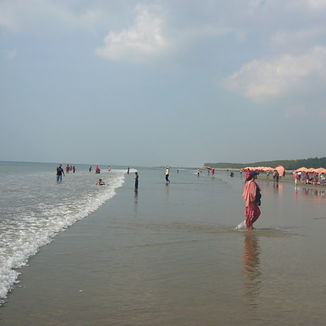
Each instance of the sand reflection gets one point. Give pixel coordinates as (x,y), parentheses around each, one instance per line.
(251,269)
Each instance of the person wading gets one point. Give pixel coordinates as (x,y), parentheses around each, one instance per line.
(136,181)
(251,195)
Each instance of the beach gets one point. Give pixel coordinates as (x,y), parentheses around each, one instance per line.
(169,255)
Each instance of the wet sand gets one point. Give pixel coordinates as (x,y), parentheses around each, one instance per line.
(170,256)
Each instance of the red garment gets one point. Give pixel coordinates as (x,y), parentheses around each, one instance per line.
(252,211)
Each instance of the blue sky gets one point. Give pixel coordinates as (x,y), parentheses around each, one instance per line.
(177,82)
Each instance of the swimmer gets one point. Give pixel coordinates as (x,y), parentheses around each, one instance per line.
(100,182)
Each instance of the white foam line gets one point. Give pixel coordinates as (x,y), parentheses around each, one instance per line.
(24,248)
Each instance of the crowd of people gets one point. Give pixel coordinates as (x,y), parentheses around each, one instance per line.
(313,176)
(251,190)
(310,176)
(71,168)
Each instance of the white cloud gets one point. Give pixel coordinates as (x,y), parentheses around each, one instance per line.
(263,79)
(143,41)
(151,37)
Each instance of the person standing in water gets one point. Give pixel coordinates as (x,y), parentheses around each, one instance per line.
(136,181)
(128,170)
(251,195)
(276,176)
(60,172)
(167,173)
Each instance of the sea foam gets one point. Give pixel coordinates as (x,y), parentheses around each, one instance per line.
(35,216)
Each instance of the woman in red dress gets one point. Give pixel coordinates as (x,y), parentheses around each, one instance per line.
(251,195)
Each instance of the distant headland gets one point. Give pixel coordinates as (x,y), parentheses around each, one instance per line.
(288,164)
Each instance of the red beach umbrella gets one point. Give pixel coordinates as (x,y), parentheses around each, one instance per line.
(311,170)
(207,168)
(281,170)
(302,169)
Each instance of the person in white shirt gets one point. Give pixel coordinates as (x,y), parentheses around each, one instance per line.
(167,173)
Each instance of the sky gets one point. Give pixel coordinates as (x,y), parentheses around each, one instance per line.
(150,83)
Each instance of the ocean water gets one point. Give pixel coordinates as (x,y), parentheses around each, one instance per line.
(166,255)
(34,208)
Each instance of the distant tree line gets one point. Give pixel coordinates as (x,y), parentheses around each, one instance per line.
(288,164)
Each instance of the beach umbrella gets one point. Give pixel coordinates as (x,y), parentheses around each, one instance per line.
(281,170)
(302,169)
(311,170)
(207,168)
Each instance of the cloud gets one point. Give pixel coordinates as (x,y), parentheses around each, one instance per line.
(143,41)
(259,80)
(151,37)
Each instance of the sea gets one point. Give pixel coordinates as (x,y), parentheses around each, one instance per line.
(34,208)
(80,254)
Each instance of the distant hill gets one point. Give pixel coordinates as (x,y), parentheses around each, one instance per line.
(288,164)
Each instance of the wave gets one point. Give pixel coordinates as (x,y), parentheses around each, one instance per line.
(27,230)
